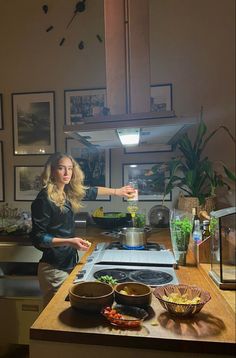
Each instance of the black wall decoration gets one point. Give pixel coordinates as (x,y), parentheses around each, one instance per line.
(79,8)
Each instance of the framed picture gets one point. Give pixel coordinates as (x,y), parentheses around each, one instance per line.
(33,123)
(84,103)
(144,176)
(161,98)
(94,162)
(2,193)
(1,112)
(27,182)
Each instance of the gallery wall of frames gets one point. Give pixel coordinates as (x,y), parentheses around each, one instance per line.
(47,83)
(34,138)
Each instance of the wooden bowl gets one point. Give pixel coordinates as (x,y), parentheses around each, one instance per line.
(91,296)
(133,294)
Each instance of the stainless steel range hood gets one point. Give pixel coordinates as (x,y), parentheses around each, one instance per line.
(128,84)
(158,130)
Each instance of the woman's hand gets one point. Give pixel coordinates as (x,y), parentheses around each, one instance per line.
(80,244)
(127,191)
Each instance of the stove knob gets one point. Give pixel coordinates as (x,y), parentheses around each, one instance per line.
(81,274)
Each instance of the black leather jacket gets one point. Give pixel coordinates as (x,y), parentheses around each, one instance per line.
(49,221)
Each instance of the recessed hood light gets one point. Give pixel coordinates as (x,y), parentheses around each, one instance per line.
(129,136)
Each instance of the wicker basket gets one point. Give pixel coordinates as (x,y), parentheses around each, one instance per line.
(186,203)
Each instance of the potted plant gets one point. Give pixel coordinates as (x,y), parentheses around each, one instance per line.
(192,171)
(180,229)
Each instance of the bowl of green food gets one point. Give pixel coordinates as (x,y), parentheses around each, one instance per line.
(111,220)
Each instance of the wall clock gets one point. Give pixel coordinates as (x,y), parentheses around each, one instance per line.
(79,7)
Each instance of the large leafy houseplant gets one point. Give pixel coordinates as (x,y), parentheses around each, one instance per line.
(193,172)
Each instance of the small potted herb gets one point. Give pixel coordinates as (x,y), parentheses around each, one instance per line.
(180,228)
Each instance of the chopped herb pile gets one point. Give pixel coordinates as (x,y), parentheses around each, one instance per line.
(108,279)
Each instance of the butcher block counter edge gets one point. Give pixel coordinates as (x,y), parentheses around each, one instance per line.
(160,344)
(48,327)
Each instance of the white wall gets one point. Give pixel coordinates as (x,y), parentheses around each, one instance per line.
(191,44)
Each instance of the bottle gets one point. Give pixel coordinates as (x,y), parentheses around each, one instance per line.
(197,233)
(206,230)
(195,218)
(133,201)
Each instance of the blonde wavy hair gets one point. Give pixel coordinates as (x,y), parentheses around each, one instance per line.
(74,191)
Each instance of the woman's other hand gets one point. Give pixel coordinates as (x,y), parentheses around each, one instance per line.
(80,244)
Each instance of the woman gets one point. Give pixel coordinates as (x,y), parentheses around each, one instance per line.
(53,230)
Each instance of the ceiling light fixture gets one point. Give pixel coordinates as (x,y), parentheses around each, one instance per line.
(129,136)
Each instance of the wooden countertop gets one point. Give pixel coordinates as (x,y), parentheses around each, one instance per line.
(210,331)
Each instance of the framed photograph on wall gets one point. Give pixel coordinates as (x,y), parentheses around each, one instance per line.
(161,98)
(150,187)
(33,123)
(2,193)
(94,162)
(84,103)
(1,112)
(27,182)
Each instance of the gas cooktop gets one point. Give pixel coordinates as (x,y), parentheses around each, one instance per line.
(149,246)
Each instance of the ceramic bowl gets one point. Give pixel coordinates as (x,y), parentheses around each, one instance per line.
(133,294)
(91,296)
(186,292)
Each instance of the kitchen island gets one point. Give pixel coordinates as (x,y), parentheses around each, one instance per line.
(61,331)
